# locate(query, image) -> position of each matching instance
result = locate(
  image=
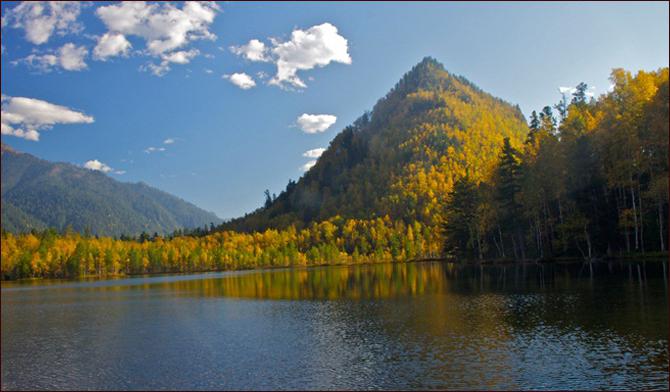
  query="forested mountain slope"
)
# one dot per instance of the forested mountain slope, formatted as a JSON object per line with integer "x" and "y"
{"x": 402, "y": 158}
{"x": 38, "y": 194}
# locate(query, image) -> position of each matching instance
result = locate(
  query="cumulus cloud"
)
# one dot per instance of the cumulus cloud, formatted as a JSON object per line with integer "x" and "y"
{"x": 163, "y": 26}
{"x": 315, "y": 123}
{"x": 241, "y": 80}
{"x": 255, "y": 50}
{"x": 111, "y": 45}
{"x": 314, "y": 153}
{"x": 71, "y": 57}
{"x": 308, "y": 165}
{"x": 149, "y": 150}
{"x": 68, "y": 57}
{"x": 97, "y": 166}
{"x": 168, "y": 141}
{"x": 317, "y": 46}
{"x": 27, "y": 117}
{"x": 40, "y": 19}
{"x": 180, "y": 57}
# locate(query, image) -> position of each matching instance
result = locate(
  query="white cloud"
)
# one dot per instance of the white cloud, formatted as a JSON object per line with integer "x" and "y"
{"x": 97, "y": 166}
{"x": 179, "y": 57}
{"x": 315, "y": 153}
{"x": 314, "y": 123}
{"x": 566, "y": 90}
{"x": 317, "y": 46}
{"x": 43, "y": 63}
{"x": 69, "y": 57}
{"x": 208, "y": 71}
{"x": 163, "y": 26}
{"x": 241, "y": 80}
{"x": 111, "y": 45}
{"x": 590, "y": 92}
{"x": 27, "y": 117}
{"x": 308, "y": 165}
{"x": 149, "y": 150}
{"x": 168, "y": 141}
{"x": 40, "y": 19}
{"x": 255, "y": 50}
{"x": 158, "y": 70}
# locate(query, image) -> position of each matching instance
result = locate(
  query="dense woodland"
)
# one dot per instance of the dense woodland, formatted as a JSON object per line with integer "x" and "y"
{"x": 594, "y": 185}
{"x": 438, "y": 168}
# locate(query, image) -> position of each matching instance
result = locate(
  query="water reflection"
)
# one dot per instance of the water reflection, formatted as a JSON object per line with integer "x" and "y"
{"x": 389, "y": 326}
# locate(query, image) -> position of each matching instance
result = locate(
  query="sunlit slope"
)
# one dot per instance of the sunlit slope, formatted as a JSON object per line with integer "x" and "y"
{"x": 400, "y": 159}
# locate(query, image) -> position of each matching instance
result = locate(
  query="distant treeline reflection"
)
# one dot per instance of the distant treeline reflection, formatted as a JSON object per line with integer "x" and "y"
{"x": 408, "y": 279}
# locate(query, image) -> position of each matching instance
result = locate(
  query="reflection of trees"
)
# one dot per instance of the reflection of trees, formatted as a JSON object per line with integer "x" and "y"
{"x": 579, "y": 305}
{"x": 336, "y": 282}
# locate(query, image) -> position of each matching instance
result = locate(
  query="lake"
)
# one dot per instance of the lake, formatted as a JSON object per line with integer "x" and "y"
{"x": 426, "y": 325}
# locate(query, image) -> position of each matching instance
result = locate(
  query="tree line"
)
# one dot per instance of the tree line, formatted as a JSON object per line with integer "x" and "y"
{"x": 337, "y": 240}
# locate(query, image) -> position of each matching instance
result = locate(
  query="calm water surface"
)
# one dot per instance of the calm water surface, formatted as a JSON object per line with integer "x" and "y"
{"x": 385, "y": 326}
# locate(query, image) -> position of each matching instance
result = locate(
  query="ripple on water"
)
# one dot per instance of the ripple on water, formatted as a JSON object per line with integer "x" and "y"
{"x": 414, "y": 326}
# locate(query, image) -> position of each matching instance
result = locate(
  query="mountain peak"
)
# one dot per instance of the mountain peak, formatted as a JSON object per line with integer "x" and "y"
{"x": 5, "y": 148}
{"x": 401, "y": 158}
{"x": 429, "y": 63}
{"x": 428, "y": 74}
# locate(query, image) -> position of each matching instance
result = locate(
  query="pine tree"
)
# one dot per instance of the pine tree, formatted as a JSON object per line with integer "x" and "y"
{"x": 509, "y": 178}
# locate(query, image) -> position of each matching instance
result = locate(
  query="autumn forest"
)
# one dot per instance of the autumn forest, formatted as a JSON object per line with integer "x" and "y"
{"x": 437, "y": 169}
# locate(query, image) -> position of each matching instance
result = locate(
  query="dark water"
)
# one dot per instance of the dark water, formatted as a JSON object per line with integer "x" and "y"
{"x": 386, "y": 326}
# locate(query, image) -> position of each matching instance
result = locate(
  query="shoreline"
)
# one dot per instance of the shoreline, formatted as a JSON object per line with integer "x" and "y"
{"x": 652, "y": 257}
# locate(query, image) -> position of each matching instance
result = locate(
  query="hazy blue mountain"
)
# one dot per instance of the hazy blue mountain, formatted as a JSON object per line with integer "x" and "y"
{"x": 39, "y": 194}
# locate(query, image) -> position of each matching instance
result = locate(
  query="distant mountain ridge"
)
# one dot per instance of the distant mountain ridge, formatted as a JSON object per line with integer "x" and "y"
{"x": 402, "y": 158}
{"x": 37, "y": 194}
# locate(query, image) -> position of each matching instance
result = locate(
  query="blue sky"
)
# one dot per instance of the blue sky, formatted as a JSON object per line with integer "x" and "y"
{"x": 231, "y": 143}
